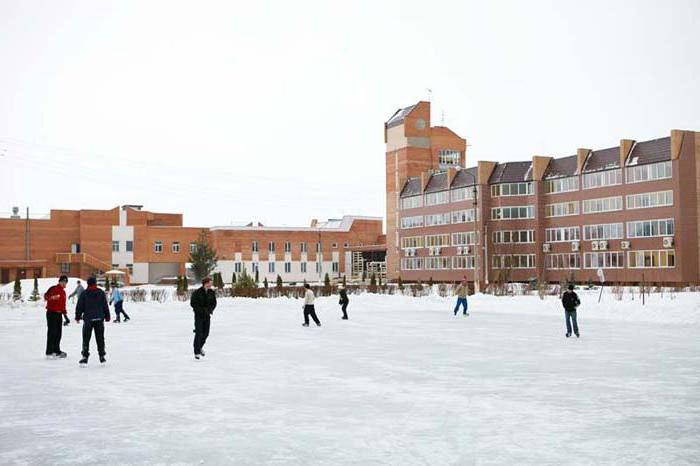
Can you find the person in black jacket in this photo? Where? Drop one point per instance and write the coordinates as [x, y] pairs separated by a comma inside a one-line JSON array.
[[93, 310], [203, 303], [344, 301], [570, 302]]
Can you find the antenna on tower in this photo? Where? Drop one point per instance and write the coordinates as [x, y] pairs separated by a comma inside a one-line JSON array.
[[430, 94], [442, 118]]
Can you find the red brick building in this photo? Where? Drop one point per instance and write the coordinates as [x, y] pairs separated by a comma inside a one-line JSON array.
[[630, 210]]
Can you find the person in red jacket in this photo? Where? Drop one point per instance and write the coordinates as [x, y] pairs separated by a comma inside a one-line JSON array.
[[55, 308]]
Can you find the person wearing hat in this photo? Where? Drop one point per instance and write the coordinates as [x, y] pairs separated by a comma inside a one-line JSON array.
[[570, 302], [344, 301], [203, 303], [93, 310], [55, 308]]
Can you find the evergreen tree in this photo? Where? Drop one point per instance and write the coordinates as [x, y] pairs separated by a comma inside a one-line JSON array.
[[245, 281], [373, 280], [379, 280], [265, 284], [257, 277], [400, 283], [35, 292], [344, 281], [203, 258], [430, 282], [327, 281], [218, 281], [280, 283], [233, 280], [364, 276], [17, 292]]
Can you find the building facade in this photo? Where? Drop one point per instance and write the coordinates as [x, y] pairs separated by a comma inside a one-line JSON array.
[[630, 211]]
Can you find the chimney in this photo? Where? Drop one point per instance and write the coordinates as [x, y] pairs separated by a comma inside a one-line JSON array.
[[581, 156], [539, 166], [676, 143], [424, 180], [484, 170], [625, 149]]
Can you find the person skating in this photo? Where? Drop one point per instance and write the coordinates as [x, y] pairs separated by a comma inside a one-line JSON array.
[[77, 291], [93, 310], [118, 300], [570, 302], [309, 309], [55, 308], [203, 302], [462, 291], [344, 301]]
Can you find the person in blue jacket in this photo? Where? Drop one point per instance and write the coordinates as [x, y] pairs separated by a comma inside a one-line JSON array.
[[92, 308], [118, 300]]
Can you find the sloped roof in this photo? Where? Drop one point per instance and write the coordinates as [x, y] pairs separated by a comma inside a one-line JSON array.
[[511, 172], [465, 177], [412, 187], [557, 168], [437, 182], [656, 150], [398, 116], [604, 159]]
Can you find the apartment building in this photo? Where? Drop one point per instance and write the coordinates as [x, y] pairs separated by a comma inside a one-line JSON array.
[[630, 211]]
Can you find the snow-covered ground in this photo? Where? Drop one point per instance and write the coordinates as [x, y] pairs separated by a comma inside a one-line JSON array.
[[403, 382]]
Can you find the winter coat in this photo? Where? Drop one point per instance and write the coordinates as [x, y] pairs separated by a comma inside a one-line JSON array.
[[309, 298], [461, 291], [77, 291], [116, 296], [570, 300], [92, 305], [56, 299], [343, 297], [203, 301]]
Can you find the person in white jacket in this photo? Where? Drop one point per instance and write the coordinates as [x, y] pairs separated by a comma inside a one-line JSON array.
[[309, 309]]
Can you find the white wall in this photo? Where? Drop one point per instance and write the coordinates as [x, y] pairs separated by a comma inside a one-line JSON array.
[[140, 274]]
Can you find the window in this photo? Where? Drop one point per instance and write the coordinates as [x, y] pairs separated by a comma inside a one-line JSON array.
[[441, 197], [562, 261], [130, 268], [318, 246], [65, 268], [646, 200], [255, 267], [603, 231], [465, 238], [463, 216], [411, 222], [561, 209], [287, 246], [346, 245], [561, 185], [647, 228], [512, 189], [237, 267], [411, 242], [412, 263], [158, 246], [605, 204], [115, 246], [510, 213], [437, 240], [514, 236], [463, 262], [411, 202], [603, 178], [303, 267], [176, 247], [437, 219], [115, 266], [318, 267], [335, 267], [304, 247], [437, 263], [652, 171], [513, 261], [463, 194], [271, 246], [559, 235], [658, 259], [129, 246], [448, 157], [334, 245], [603, 260], [193, 247], [254, 246], [287, 267], [271, 267]]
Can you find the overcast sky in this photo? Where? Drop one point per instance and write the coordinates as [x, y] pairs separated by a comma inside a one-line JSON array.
[[274, 111]]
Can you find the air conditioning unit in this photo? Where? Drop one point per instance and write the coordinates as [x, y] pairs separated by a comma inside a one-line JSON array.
[[545, 247], [624, 244], [459, 250], [467, 249], [603, 245], [575, 246], [668, 241], [438, 251], [594, 245]]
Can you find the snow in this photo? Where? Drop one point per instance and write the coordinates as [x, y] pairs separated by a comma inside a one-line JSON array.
[[402, 382]]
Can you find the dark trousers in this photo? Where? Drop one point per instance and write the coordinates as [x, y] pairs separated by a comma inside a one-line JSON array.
[[202, 322], [119, 309], [344, 307], [461, 302], [54, 330], [309, 310], [99, 327], [570, 317]]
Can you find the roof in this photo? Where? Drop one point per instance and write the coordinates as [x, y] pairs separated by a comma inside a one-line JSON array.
[[656, 150], [412, 187], [343, 225], [511, 172], [437, 182], [557, 168], [398, 116], [465, 177], [604, 159]]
